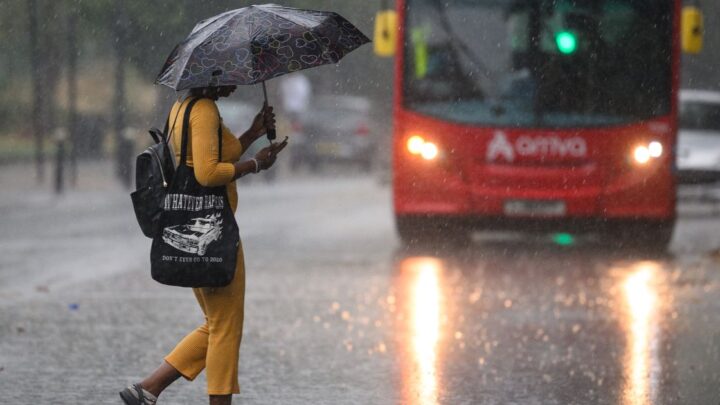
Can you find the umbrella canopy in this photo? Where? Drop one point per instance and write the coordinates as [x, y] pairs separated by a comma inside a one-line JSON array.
[[252, 44]]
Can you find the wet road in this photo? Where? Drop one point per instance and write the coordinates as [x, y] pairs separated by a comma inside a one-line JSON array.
[[338, 313]]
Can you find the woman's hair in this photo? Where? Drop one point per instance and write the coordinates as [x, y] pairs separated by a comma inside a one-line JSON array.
[[204, 92], [212, 92]]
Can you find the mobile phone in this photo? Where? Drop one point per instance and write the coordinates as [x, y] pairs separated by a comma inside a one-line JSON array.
[[283, 143], [277, 147]]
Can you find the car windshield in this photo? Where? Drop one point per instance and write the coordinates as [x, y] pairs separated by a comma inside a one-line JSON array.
[[540, 63], [696, 115]]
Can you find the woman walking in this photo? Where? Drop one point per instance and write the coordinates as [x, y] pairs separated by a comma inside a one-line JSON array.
[[215, 345]]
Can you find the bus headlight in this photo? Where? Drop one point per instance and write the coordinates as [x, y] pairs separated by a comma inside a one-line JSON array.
[[429, 151], [656, 149], [642, 154], [415, 144], [418, 146]]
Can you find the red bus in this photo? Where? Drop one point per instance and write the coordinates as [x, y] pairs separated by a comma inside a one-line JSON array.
[[536, 114]]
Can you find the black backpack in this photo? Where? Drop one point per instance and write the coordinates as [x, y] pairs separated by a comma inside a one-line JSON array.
[[154, 171]]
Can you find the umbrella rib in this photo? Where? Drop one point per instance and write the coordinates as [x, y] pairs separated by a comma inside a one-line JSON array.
[[252, 42], [325, 48], [330, 13]]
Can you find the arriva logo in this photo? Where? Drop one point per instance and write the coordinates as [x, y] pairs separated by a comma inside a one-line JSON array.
[[541, 146]]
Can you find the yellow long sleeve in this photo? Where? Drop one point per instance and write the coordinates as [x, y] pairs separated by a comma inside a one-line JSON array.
[[209, 170]]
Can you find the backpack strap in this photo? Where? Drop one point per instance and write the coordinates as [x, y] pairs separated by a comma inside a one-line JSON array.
[[185, 127], [219, 138], [158, 136], [155, 135], [165, 134]]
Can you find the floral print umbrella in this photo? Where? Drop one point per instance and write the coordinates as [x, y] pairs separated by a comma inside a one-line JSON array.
[[256, 43]]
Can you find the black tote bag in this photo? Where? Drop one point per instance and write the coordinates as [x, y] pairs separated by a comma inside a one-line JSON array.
[[197, 241]]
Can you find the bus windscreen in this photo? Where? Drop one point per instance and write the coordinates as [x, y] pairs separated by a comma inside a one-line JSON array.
[[538, 63]]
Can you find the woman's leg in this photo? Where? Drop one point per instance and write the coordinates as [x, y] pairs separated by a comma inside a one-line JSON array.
[[220, 399], [186, 360], [214, 345], [160, 379], [224, 308]]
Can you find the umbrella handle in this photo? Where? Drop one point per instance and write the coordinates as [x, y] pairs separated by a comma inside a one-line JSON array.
[[271, 134]]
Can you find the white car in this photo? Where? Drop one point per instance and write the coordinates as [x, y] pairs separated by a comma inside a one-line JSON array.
[[698, 152], [195, 236]]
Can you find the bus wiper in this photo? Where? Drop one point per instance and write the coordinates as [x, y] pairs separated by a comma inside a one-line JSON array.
[[458, 45]]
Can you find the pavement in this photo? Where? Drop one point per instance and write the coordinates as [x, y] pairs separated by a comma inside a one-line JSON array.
[[338, 313]]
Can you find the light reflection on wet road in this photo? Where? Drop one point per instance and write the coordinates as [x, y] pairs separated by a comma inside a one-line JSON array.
[[422, 294], [513, 323], [641, 365]]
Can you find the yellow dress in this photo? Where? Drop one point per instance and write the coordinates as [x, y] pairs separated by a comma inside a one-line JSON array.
[[215, 345]]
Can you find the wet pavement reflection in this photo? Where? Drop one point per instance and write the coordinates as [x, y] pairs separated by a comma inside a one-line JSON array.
[[522, 323], [422, 296], [642, 366]]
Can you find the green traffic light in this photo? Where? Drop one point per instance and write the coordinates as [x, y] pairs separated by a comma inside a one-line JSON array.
[[566, 42]]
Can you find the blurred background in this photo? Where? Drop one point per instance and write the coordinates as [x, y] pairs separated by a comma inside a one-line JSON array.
[[78, 75]]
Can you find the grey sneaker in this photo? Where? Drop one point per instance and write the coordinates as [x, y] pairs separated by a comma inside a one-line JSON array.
[[136, 395]]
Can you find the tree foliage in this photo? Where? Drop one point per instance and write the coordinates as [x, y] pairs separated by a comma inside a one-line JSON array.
[[152, 30]]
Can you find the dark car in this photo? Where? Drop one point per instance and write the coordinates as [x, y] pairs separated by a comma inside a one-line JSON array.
[[335, 129]]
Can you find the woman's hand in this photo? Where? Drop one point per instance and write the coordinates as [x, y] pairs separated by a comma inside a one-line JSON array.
[[266, 156], [263, 121], [263, 160]]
